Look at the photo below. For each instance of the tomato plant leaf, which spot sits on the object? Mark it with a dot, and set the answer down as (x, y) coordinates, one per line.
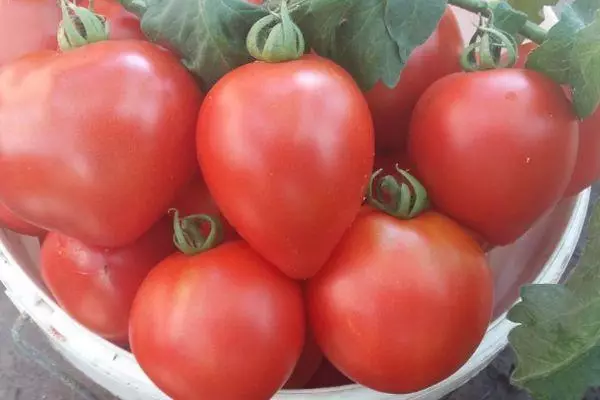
(558, 340)
(532, 8)
(210, 35)
(507, 18)
(371, 39)
(585, 69)
(571, 54)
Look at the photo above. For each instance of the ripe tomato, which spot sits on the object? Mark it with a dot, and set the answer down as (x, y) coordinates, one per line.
(494, 149)
(392, 108)
(587, 167)
(194, 198)
(287, 150)
(96, 286)
(309, 362)
(8, 220)
(17, 17)
(232, 325)
(401, 305)
(108, 141)
(27, 26)
(122, 24)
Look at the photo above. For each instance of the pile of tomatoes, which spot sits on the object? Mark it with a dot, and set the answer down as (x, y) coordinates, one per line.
(238, 240)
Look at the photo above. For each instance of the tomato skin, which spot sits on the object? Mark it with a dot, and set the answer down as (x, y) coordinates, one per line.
(392, 108)
(232, 325)
(55, 169)
(9, 220)
(18, 17)
(16, 21)
(499, 151)
(587, 168)
(296, 152)
(431, 287)
(96, 286)
(195, 198)
(122, 24)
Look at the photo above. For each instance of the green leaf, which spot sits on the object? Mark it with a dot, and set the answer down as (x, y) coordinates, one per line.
(507, 18)
(585, 69)
(371, 39)
(533, 8)
(571, 54)
(210, 35)
(558, 340)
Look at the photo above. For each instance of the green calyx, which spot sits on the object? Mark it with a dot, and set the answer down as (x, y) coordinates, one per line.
(188, 236)
(80, 26)
(276, 38)
(485, 51)
(403, 200)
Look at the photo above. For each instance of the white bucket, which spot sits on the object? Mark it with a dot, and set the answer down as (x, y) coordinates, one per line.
(541, 256)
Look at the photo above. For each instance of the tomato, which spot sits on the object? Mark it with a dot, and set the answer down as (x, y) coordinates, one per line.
(587, 167)
(327, 376)
(494, 149)
(96, 286)
(110, 145)
(392, 108)
(121, 23)
(17, 17)
(8, 220)
(16, 21)
(309, 362)
(287, 150)
(401, 305)
(231, 325)
(194, 198)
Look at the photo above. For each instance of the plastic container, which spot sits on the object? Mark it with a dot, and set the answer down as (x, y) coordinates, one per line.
(541, 256)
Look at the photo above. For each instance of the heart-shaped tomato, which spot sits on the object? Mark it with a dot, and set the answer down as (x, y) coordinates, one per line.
(96, 142)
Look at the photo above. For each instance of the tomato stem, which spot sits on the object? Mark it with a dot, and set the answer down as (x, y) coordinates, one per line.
(188, 236)
(487, 43)
(275, 37)
(397, 199)
(80, 26)
(530, 30)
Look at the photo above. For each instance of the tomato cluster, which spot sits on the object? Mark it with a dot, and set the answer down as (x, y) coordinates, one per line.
(321, 279)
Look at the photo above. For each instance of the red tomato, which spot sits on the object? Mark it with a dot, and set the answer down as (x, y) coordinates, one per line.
(27, 26)
(121, 23)
(327, 376)
(587, 167)
(9, 220)
(494, 149)
(17, 17)
(392, 108)
(96, 286)
(105, 151)
(309, 362)
(231, 325)
(401, 305)
(195, 199)
(287, 150)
